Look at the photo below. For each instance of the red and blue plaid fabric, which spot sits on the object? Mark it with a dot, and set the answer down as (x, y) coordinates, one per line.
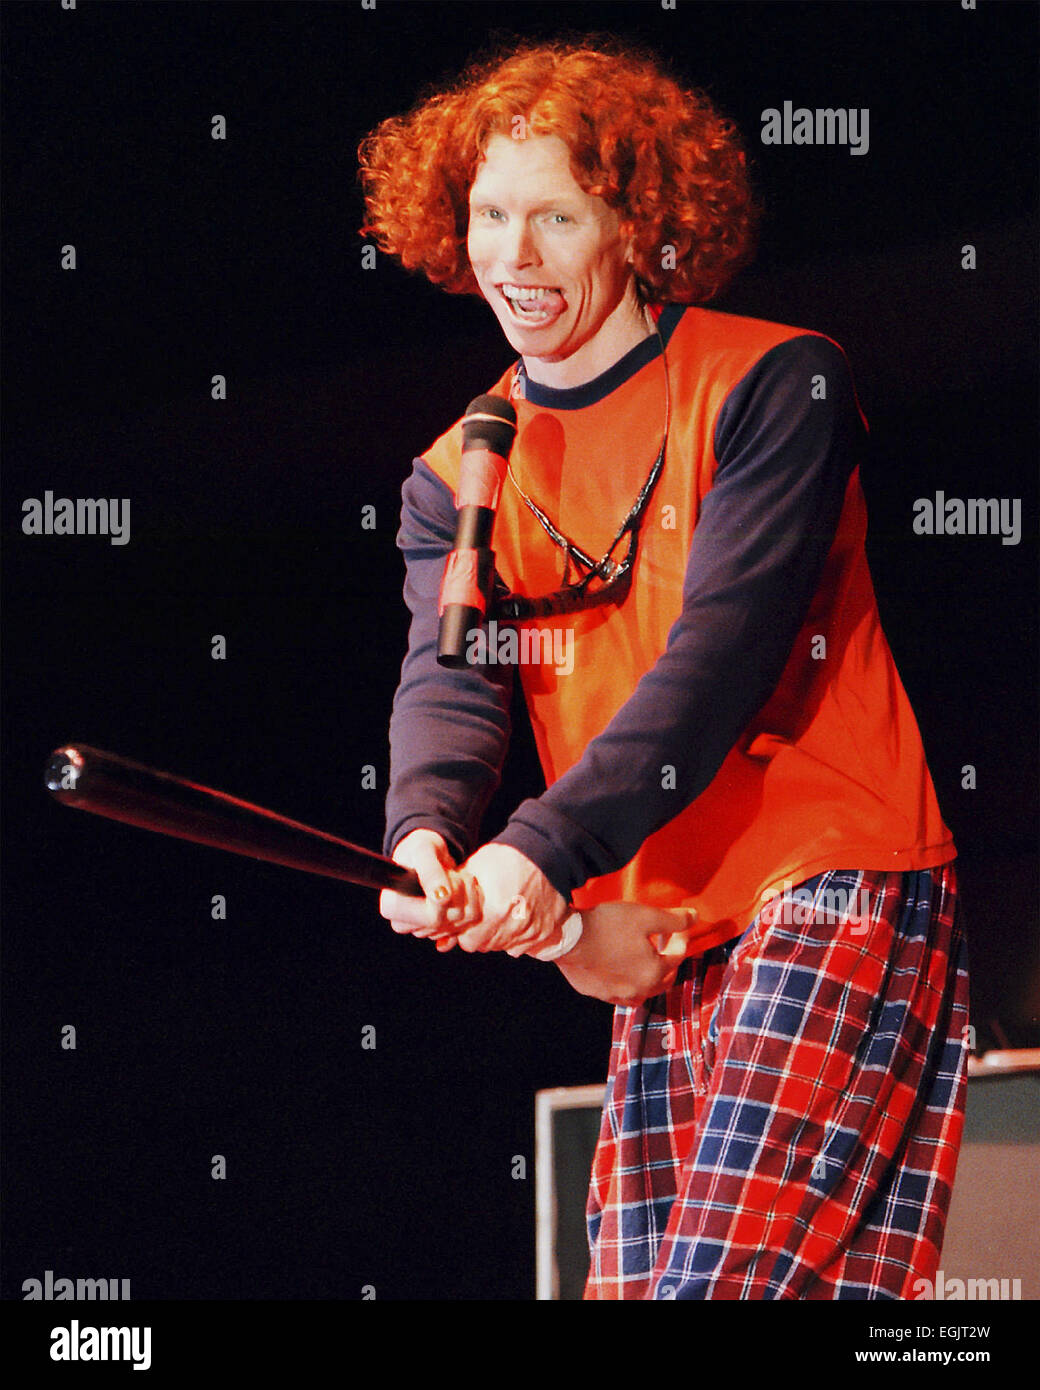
(784, 1122)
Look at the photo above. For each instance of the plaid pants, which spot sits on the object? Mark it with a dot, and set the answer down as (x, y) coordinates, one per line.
(784, 1122)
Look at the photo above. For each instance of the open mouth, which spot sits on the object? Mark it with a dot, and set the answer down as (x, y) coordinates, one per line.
(533, 306)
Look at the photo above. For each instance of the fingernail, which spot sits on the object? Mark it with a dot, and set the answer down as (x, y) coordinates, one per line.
(453, 914)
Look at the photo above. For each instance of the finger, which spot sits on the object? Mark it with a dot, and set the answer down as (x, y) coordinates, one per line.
(399, 907)
(408, 914)
(434, 870)
(466, 906)
(505, 938)
(431, 861)
(479, 938)
(675, 944)
(492, 929)
(432, 912)
(420, 929)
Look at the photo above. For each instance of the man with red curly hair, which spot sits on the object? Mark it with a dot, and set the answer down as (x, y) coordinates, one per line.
(739, 844)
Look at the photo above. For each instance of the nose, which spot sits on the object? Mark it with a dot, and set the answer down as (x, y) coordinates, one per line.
(519, 246)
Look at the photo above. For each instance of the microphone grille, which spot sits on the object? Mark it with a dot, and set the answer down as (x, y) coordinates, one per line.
(492, 405)
(489, 423)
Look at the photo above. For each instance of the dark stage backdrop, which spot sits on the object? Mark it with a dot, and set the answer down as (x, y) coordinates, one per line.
(406, 1168)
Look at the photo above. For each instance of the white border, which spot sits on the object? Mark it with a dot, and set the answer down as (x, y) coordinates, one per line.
(546, 1103)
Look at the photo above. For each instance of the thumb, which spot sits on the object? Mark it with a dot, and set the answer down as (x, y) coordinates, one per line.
(432, 862)
(674, 945)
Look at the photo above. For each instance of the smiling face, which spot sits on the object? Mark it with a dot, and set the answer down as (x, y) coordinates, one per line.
(550, 260)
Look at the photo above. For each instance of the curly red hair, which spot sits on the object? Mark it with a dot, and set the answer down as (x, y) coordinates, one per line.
(662, 157)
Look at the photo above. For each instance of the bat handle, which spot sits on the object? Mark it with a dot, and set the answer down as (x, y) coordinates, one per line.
(404, 881)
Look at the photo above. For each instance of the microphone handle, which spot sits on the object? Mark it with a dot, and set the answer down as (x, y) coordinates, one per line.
(458, 620)
(473, 529)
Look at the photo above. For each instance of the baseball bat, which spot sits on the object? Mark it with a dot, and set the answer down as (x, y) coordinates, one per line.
(92, 780)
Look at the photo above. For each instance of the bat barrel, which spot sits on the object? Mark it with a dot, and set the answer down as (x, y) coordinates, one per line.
(93, 780)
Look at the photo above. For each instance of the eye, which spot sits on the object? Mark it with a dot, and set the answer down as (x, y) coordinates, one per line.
(558, 217)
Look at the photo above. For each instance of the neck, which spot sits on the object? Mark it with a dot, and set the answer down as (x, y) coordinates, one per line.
(626, 327)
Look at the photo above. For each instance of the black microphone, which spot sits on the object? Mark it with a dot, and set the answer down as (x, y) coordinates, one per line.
(488, 431)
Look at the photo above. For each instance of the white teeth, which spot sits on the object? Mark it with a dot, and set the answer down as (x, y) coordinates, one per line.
(524, 292)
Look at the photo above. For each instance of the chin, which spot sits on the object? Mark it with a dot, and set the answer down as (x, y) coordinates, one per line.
(530, 341)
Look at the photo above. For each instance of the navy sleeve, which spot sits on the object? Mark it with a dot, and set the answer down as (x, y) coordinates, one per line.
(449, 729)
(757, 554)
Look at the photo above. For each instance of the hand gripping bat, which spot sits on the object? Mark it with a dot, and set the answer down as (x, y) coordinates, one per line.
(92, 780)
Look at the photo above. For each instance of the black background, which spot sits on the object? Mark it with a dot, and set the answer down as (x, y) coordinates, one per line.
(392, 1168)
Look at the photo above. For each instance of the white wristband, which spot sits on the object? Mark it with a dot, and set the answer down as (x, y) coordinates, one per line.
(571, 937)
